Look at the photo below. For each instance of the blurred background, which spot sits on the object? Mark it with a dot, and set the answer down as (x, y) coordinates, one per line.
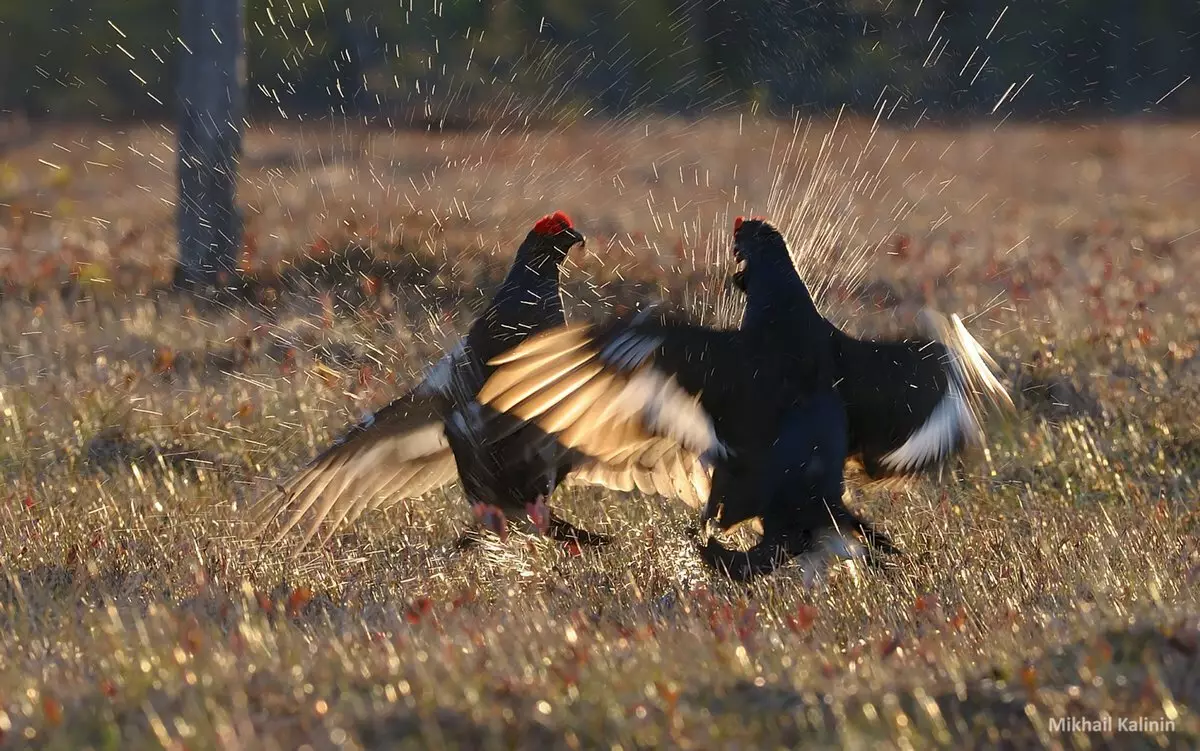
(1033, 166)
(408, 60)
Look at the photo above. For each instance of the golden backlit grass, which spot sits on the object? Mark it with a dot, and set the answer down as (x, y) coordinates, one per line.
(1056, 575)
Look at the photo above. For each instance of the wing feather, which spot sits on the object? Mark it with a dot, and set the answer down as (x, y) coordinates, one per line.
(660, 466)
(534, 386)
(628, 396)
(599, 389)
(399, 452)
(912, 404)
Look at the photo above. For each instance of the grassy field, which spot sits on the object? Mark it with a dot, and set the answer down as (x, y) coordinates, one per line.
(1054, 576)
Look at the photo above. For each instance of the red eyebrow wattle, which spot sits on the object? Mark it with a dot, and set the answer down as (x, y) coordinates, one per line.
(552, 224)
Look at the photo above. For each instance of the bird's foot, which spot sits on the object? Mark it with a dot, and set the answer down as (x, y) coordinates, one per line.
(488, 518)
(879, 547)
(564, 531)
(746, 565)
(492, 518)
(878, 543)
(470, 539)
(880, 560)
(700, 533)
(539, 515)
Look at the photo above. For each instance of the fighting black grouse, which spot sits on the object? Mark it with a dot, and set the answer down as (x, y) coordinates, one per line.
(437, 431)
(775, 408)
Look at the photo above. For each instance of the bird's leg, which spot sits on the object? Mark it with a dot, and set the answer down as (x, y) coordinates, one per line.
(778, 547)
(469, 539)
(793, 530)
(767, 555)
(877, 541)
(804, 514)
(539, 513)
(554, 527)
(565, 531)
(487, 517)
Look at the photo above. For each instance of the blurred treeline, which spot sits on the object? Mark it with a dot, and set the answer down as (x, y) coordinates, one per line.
(436, 58)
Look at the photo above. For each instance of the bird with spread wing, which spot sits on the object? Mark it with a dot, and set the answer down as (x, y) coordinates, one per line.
(775, 408)
(436, 432)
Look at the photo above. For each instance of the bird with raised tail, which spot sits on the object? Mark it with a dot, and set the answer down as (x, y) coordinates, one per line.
(436, 432)
(775, 408)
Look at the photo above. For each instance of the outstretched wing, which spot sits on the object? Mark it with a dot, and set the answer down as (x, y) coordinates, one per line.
(626, 394)
(912, 404)
(399, 452)
(662, 467)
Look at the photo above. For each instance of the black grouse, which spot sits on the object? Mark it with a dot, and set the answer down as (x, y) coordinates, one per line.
(437, 431)
(776, 408)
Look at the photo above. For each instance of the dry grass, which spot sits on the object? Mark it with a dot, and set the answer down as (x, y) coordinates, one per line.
(1057, 575)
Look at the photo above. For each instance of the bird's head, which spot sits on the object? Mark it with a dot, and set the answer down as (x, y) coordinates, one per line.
(757, 245)
(551, 238)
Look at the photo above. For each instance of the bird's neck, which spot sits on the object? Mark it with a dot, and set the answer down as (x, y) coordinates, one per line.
(776, 295)
(527, 301)
(532, 285)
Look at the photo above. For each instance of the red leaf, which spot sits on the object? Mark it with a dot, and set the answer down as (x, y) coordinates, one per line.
(891, 646)
(299, 597)
(418, 609)
(365, 375)
(1029, 677)
(52, 710)
(959, 621)
(466, 597)
(164, 360)
(803, 620)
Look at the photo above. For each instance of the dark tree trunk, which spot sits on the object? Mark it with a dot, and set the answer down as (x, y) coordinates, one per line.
(212, 104)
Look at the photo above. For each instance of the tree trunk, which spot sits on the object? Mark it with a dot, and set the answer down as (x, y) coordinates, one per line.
(212, 105)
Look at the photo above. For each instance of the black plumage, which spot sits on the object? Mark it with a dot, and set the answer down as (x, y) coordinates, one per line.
(775, 408)
(437, 431)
